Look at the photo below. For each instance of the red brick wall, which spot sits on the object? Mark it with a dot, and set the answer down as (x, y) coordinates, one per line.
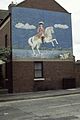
(22, 76)
(77, 74)
(42, 4)
(54, 72)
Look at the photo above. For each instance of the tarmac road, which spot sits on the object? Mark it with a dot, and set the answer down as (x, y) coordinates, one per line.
(65, 107)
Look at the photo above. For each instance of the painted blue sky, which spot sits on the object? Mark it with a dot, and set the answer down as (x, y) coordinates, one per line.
(71, 6)
(25, 22)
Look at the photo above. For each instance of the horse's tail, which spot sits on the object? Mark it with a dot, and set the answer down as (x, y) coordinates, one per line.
(30, 41)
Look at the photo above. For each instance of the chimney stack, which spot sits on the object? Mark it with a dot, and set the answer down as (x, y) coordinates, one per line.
(10, 6)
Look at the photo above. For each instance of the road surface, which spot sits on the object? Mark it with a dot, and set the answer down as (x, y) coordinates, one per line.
(49, 108)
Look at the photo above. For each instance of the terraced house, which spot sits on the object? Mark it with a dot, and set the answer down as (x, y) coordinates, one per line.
(38, 35)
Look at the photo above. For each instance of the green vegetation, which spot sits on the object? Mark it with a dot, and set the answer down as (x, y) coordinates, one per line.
(4, 54)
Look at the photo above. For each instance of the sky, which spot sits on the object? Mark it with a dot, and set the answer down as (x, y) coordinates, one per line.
(73, 7)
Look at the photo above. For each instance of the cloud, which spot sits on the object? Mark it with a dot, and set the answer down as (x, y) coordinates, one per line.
(61, 26)
(25, 26)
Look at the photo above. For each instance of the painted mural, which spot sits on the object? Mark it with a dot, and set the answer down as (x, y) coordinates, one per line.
(41, 35)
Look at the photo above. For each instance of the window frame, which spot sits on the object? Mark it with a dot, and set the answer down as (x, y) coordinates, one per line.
(38, 70)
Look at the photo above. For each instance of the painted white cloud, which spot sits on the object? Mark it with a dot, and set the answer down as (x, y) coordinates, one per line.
(61, 26)
(25, 26)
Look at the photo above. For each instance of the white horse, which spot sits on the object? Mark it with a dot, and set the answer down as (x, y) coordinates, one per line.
(35, 41)
(48, 36)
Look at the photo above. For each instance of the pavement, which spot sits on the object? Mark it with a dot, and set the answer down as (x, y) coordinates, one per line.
(39, 94)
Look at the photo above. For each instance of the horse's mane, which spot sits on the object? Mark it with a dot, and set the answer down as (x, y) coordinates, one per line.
(48, 28)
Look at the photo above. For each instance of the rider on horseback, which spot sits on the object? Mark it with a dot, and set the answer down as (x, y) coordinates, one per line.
(41, 30)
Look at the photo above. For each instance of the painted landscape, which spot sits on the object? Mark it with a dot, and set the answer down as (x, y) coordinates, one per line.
(57, 42)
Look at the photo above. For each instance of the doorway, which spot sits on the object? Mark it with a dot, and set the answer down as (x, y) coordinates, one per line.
(69, 83)
(1, 78)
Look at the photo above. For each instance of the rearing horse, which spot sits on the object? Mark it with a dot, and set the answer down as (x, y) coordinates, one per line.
(35, 41)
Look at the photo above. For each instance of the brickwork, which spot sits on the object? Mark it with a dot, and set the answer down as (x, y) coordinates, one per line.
(77, 74)
(54, 73)
(22, 76)
(42, 4)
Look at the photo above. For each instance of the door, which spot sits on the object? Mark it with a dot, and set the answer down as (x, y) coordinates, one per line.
(69, 83)
(1, 78)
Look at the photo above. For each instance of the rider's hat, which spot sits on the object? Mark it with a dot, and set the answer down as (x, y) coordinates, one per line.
(41, 22)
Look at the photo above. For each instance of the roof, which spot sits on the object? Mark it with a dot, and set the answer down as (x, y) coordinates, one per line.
(3, 21)
(3, 14)
(42, 4)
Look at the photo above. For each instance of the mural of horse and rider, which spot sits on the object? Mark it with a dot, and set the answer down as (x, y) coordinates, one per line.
(40, 38)
(41, 35)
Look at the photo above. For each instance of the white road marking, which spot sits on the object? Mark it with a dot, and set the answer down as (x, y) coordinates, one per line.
(66, 105)
(5, 113)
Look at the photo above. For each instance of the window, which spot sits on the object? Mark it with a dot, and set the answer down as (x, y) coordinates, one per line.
(6, 40)
(38, 69)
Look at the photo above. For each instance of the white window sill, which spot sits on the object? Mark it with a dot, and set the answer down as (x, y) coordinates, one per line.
(37, 79)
